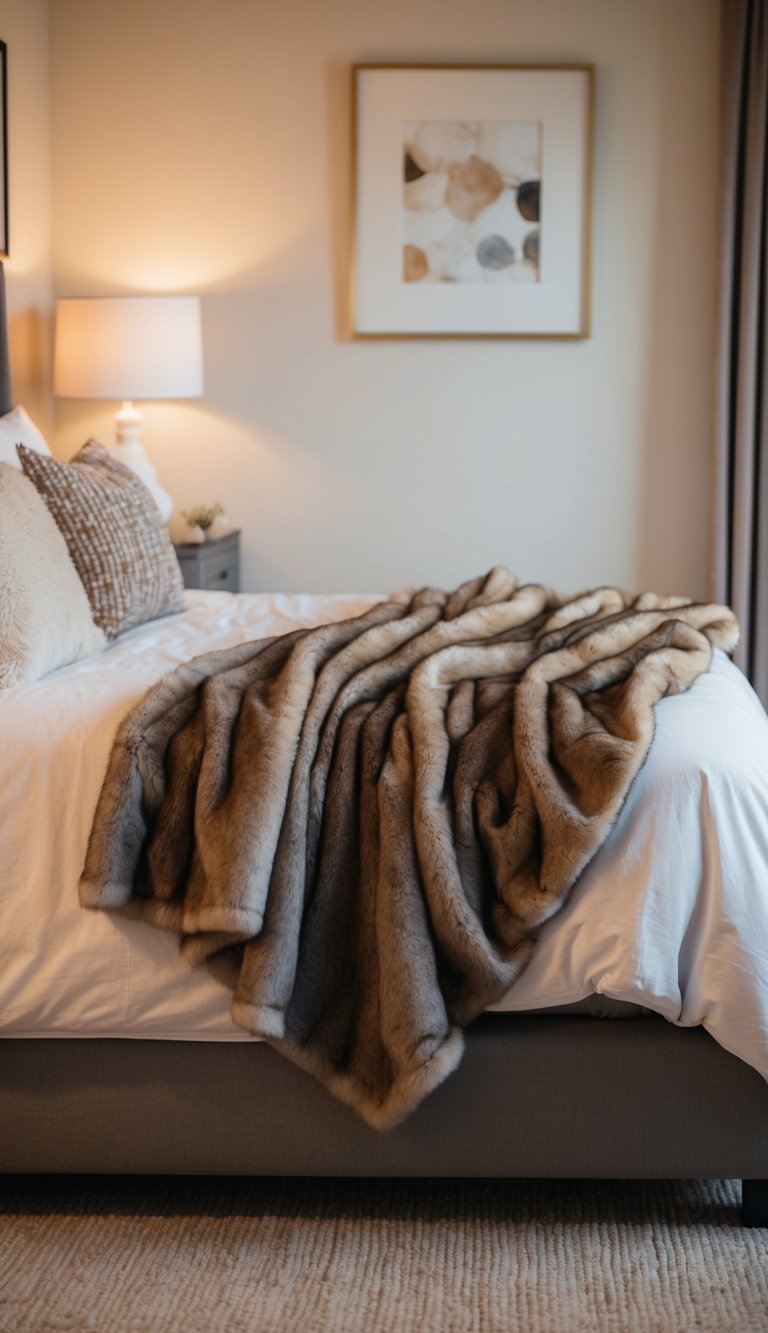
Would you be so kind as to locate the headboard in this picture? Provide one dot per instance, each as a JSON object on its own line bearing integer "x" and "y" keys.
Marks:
{"x": 6, "y": 395}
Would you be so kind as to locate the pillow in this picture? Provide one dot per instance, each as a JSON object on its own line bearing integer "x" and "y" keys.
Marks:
{"x": 16, "y": 428}
{"x": 117, "y": 540}
{"x": 45, "y": 619}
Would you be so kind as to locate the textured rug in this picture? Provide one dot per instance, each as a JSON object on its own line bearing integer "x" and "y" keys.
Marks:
{"x": 279, "y": 1255}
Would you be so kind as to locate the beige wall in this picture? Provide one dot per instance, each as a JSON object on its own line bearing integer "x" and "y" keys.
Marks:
{"x": 24, "y": 27}
{"x": 203, "y": 146}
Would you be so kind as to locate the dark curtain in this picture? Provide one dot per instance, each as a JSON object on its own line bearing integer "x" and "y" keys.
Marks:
{"x": 740, "y": 547}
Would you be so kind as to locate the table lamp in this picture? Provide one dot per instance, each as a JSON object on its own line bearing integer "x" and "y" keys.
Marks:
{"x": 126, "y": 347}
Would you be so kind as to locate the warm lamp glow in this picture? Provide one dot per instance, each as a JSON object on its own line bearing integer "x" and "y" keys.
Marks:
{"x": 128, "y": 347}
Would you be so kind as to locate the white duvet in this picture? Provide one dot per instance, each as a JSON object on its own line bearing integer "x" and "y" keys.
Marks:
{"x": 671, "y": 914}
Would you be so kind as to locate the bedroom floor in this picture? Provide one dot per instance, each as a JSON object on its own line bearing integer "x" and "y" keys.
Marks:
{"x": 147, "y": 1253}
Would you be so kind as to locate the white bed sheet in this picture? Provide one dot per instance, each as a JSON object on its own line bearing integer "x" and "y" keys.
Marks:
{"x": 672, "y": 913}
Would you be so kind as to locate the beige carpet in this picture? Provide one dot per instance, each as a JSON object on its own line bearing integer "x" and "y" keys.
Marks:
{"x": 540, "y": 1257}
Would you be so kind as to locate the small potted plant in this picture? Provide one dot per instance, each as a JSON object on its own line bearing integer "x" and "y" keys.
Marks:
{"x": 201, "y": 519}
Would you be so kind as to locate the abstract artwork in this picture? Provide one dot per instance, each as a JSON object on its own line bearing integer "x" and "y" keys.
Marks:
{"x": 472, "y": 201}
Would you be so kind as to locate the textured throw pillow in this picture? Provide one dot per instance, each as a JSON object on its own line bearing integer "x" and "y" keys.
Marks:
{"x": 115, "y": 535}
{"x": 45, "y": 619}
{"x": 17, "y": 428}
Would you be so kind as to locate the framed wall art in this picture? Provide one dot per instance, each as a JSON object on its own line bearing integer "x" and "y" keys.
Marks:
{"x": 472, "y": 196}
{"x": 3, "y": 150}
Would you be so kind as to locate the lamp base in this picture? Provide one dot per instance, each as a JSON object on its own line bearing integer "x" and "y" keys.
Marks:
{"x": 129, "y": 450}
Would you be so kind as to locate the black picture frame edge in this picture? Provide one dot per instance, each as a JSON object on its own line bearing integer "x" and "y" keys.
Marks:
{"x": 4, "y": 214}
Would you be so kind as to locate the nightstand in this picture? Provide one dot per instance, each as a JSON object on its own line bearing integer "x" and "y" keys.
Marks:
{"x": 213, "y": 565}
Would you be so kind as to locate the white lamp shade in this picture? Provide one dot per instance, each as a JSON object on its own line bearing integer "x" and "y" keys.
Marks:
{"x": 129, "y": 347}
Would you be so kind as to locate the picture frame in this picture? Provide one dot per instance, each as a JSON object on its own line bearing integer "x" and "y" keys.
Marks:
{"x": 472, "y": 189}
{"x": 4, "y": 150}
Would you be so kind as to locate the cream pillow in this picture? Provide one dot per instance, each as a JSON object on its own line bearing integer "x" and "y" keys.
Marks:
{"x": 45, "y": 619}
{"x": 17, "y": 428}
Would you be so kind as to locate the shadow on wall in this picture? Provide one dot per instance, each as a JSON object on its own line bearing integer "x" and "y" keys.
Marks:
{"x": 338, "y": 102}
{"x": 674, "y": 497}
{"x": 285, "y": 479}
{"x": 29, "y": 337}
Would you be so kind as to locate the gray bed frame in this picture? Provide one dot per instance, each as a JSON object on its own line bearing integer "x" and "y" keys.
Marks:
{"x": 534, "y": 1096}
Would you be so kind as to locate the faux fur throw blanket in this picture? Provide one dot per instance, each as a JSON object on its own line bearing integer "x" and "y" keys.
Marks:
{"x": 360, "y": 827}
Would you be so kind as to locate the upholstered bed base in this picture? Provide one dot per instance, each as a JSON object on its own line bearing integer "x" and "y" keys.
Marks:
{"x": 578, "y": 1097}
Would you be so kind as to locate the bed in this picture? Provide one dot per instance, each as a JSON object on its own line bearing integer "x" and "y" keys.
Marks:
{"x": 117, "y": 1059}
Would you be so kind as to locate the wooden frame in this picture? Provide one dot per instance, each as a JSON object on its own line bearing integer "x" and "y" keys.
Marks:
{"x": 456, "y": 249}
